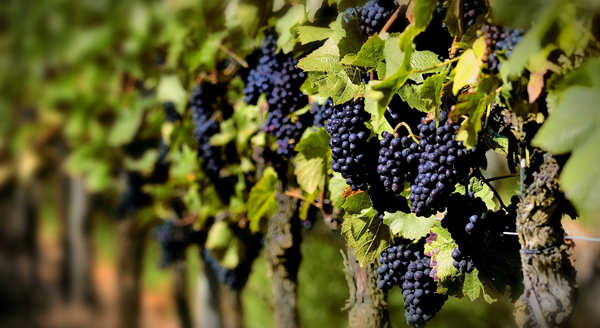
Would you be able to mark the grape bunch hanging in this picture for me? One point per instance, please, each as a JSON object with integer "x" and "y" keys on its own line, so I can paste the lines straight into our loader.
{"x": 204, "y": 101}
{"x": 500, "y": 42}
{"x": 373, "y": 15}
{"x": 276, "y": 76}
{"x": 407, "y": 266}
{"x": 350, "y": 143}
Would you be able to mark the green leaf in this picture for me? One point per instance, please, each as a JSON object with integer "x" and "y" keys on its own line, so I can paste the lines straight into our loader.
{"x": 533, "y": 40}
{"x": 423, "y": 12}
{"x": 573, "y": 126}
{"x": 371, "y": 53}
{"x": 218, "y": 236}
{"x": 480, "y": 189}
{"x": 312, "y": 6}
{"x": 224, "y": 245}
{"x": 580, "y": 178}
{"x": 518, "y": 14}
{"x": 381, "y": 69}
{"x": 312, "y": 161}
{"x": 353, "y": 38}
{"x": 171, "y": 89}
{"x": 262, "y": 201}
{"x": 294, "y": 17}
{"x": 367, "y": 235}
{"x": 440, "y": 245}
{"x": 473, "y": 287}
{"x": 408, "y": 225}
{"x": 357, "y": 203}
{"x": 410, "y": 94}
{"x": 253, "y": 14}
{"x": 431, "y": 92}
{"x": 328, "y": 74}
{"x": 421, "y": 60}
{"x": 393, "y": 55}
{"x": 397, "y": 71}
{"x": 474, "y": 106}
{"x": 377, "y": 111}
{"x": 451, "y": 19}
{"x": 128, "y": 123}
{"x": 308, "y": 34}
{"x": 144, "y": 164}
{"x": 573, "y": 121}
{"x": 337, "y": 185}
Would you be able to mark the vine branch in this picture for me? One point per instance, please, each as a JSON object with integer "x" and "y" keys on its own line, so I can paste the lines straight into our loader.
{"x": 233, "y": 55}
{"x": 480, "y": 175}
{"x": 437, "y": 66}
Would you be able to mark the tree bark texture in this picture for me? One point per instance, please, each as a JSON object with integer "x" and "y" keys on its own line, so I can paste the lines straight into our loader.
{"x": 367, "y": 303}
{"x": 181, "y": 294}
{"x": 131, "y": 255}
{"x": 549, "y": 277}
{"x": 79, "y": 244}
{"x": 231, "y": 307}
{"x": 21, "y": 293}
{"x": 282, "y": 251}
{"x": 208, "y": 299}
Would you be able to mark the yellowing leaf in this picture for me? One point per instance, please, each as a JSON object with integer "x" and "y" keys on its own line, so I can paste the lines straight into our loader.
{"x": 467, "y": 69}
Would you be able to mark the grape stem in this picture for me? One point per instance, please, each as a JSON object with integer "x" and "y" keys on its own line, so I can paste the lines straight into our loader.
{"x": 411, "y": 134}
{"x": 233, "y": 55}
{"x": 480, "y": 175}
{"x": 437, "y": 66}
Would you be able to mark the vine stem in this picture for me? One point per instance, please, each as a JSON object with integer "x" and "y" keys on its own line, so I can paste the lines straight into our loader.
{"x": 233, "y": 55}
{"x": 402, "y": 8}
{"x": 298, "y": 196}
{"x": 437, "y": 66}
{"x": 503, "y": 177}
{"x": 478, "y": 173}
{"x": 412, "y": 135}
{"x": 319, "y": 205}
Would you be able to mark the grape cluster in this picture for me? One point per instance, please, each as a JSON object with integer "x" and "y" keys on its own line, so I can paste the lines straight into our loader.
{"x": 373, "y": 15}
{"x": 421, "y": 302}
{"x": 394, "y": 163}
{"x": 171, "y": 113}
{"x": 205, "y": 99}
{"x": 500, "y": 43}
{"x": 462, "y": 214}
{"x": 173, "y": 240}
{"x": 442, "y": 162}
{"x": 433, "y": 164}
{"x": 461, "y": 262}
{"x": 474, "y": 240}
{"x": 258, "y": 79}
{"x": 236, "y": 278}
{"x": 277, "y": 76}
{"x": 471, "y": 9}
{"x": 287, "y": 130}
{"x": 408, "y": 267}
{"x": 470, "y": 12}
{"x": 321, "y": 113}
{"x": 132, "y": 198}
{"x": 349, "y": 143}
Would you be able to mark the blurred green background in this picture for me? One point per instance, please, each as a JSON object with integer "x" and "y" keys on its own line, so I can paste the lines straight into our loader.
{"x": 82, "y": 82}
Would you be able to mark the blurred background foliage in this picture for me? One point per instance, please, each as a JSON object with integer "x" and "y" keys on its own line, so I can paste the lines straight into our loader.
{"x": 82, "y": 90}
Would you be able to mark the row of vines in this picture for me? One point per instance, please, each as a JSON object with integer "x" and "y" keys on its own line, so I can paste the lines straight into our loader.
{"x": 232, "y": 125}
